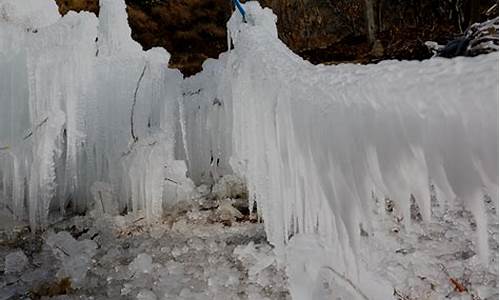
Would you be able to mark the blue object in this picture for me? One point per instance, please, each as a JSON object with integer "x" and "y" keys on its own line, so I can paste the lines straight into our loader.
{"x": 240, "y": 8}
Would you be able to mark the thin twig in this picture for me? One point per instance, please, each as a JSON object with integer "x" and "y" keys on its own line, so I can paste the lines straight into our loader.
{"x": 134, "y": 137}
{"x": 102, "y": 204}
{"x": 62, "y": 250}
{"x": 28, "y": 135}
{"x": 36, "y": 128}
{"x": 137, "y": 220}
{"x": 400, "y": 295}
{"x": 347, "y": 280}
{"x": 168, "y": 179}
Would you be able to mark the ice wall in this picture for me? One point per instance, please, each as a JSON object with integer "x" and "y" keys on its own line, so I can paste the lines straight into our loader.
{"x": 84, "y": 113}
{"x": 317, "y": 145}
{"x": 206, "y": 123}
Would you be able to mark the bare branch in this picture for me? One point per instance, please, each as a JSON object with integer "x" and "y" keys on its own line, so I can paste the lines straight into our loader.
{"x": 171, "y": 180}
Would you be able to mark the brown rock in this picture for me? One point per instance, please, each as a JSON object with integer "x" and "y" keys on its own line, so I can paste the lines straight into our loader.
{"x": 377, "y": 49}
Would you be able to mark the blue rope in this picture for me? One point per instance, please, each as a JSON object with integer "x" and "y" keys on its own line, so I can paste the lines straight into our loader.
{"x": 240, "y": 8}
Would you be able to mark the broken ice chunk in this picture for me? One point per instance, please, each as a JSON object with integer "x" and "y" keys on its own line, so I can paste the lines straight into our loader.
{"x": 230, "y": 186}
{"x": 75, "y": 256}
{"x": 196, "y": 243}
{"x": 178, "y": 186}
{"x": 227, "y": 212}
{"x": 146, "y": 295}
{"x": 256, "y": 258}
{"x": 143, "y": 263}
{"x": 15, "y": 262}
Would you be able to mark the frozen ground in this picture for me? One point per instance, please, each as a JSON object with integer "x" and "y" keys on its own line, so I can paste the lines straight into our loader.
{"x": 215, "y": 249}
{"x": 434, "y": 260}
{"x": 203, "y": 250}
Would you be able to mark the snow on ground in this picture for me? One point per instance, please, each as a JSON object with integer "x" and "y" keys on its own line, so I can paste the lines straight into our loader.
{"x": 212, "y": 248}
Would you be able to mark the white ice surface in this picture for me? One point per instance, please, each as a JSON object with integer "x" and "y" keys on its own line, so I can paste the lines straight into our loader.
{"x": 317, "y": 145}
{"x": 29, "y": 14}
{"x": 82, "y": 103}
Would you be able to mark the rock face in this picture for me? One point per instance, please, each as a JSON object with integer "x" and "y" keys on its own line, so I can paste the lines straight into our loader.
{"x": 322, "y": 31}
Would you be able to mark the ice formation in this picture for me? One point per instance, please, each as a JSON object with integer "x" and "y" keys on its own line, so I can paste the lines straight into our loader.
{"x": 83, "y": 104}
{"x": 317, "y": 145}
{"x": 90, "y": 121}
{"x": 206, "y": 123}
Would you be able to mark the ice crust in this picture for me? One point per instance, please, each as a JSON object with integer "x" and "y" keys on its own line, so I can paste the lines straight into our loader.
{"x": 89, "y": 121}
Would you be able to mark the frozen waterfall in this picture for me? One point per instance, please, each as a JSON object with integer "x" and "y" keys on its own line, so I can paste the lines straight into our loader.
{"x": 85, "y": 112}
{"x": 88, "y": 120}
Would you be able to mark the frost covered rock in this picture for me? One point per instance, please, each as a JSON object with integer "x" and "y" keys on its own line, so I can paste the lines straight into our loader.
{"x": 227, "y": 212}
{"x": 478, "y": 38}
{"x": 230, "y": 186}
{"x": 15, "y": 262}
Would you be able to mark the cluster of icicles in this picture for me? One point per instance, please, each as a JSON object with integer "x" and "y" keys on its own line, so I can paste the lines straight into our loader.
{"x": 87, "y": 118}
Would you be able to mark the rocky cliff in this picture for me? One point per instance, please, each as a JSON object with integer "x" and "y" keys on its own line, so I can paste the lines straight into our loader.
{"x": 322, "y": 31}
